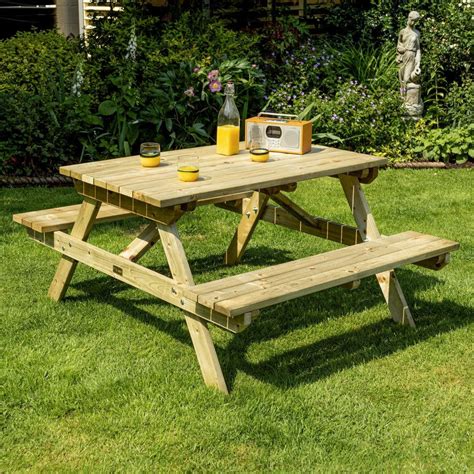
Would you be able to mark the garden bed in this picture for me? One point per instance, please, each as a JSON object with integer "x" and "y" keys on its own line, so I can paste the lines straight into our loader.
{"x": 141, "y": 79}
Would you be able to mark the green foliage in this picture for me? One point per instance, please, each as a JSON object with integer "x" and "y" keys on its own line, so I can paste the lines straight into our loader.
{"x": 194, "y": 37}
{"x": 372, "y": 66}
{"x": 30, "y": 61}
{"x": 44, "y": 115}
{"x": 450, "y": 145}
{"x": 363, "y": 120}
{"x": 459, "y": 104}
{"x": 322, "y": 66}
{"x": 140, "y": 79}
{"x": 162, "y": 93}
{"x": 285, "y": 35}
{"x": 182, "y": 110}
{"x": 447, "y": 36}
{"x": 67, "y": 101}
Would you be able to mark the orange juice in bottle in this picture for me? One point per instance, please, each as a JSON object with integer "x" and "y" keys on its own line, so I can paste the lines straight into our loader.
{"x": 228, "y": 124}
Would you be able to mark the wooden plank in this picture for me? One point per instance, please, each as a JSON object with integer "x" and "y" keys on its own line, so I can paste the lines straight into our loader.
{"x": 88, "y": 171}
{"x": 137, "y": 276}
{"x": 213, "y": 170}
{"x": 359, "y": 207}
{"x": 136, "y": 249}
{"x": 251, "y": 215}
{"x": 198, "y": 330}
{"x": 307, "y": 267}
{"x": 61, "y": 218}
{"x": 175, "y": 254}
{"x": 388, "y": 282}
{"x": 255, "y": 181}
{"x": 344, "y": 255}
{"x": 81, "y": 230}
{"x": 320, "y": 281}
{"x": 436, "y": 263}
{"x": 294, "y": 209}
{"x": 324, "y": 228}
{"x": 159, "y": 215}
{"x": 242, "y": 175}
{"x": 220, "y": 175}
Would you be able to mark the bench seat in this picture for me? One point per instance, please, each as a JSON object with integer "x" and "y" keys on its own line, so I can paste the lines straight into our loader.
{"x": 240, "y": 294}
{"x": 62, "y": 218}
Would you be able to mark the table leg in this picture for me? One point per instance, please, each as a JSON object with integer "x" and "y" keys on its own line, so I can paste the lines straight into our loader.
{"x": 388, "y": 281}
{"x": 198, "y": 330}
{"x": 81, "y": 230}
{"x": 139, "y": 246}
{"x": 251, "y": 215}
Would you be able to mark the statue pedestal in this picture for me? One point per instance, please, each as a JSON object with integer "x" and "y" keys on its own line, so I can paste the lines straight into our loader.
{"x": 413, "y": 102}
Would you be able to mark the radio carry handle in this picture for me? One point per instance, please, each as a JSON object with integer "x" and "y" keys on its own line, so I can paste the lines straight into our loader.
{"x": 276, "y": 115}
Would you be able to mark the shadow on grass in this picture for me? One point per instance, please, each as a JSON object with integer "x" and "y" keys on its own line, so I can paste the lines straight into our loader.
{"x": 105, "y": 289}
{"x": 307, "y": 363}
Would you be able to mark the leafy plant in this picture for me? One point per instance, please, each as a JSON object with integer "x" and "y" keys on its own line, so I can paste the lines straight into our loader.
{"x": 182, "y": 107}
{"x": 123, "y": 112}
{"x": 367, "y": 64}
{"x": 355, "y": 117}
{"x": 194, "y": 37}
{"x": 458, "y": 106}
{"x": 42, "y": 108}
{"x": 450, "y": 145}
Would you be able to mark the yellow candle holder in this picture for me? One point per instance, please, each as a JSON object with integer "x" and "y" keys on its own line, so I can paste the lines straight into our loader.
{"x": 150, "y": 154}
{"x": 188, "y": 173}
{"x": 259, "y": 155}
{"x": 150, "y": 161}
{"x": 188, "y": 168}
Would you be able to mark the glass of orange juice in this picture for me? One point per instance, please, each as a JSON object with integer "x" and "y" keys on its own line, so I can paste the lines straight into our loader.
{"x": 188, "y": 168}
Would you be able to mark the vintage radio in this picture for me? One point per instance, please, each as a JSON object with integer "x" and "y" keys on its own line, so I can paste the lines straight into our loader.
{"x": 279, "y": 132}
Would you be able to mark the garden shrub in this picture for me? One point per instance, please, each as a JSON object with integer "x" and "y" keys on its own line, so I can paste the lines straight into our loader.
{"x": 66, "y": 101}
{"x": 31, "y": 60}
{"x": 450, "y": 145}
{"x": 138, "y": 79}
{"x": 447, "y": 36}
{"x": 185, "y": 100}
{"x": 459, "y": 104}
{"x": 355, "y": 117}
{"x": 43, "y": 115}
{"x": 154, "y": 81}
{"x": 195, "y": 37}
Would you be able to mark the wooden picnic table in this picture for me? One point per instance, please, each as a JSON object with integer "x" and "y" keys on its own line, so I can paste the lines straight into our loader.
{"x": 119, "y": 188}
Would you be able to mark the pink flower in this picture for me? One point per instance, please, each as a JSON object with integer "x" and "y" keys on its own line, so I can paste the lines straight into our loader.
{"x": 189, "y": 91}
{"x": 215, "y": 86}
{"x": 254, "y": 66}
{"x": 213, "y": 75}
{"x": 196, "y": 69}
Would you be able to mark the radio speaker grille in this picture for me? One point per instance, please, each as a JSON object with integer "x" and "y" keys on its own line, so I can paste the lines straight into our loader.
{"x": 290, "y": 139}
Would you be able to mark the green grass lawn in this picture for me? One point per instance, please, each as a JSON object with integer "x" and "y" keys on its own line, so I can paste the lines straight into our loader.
{"x": 107, "y": 380}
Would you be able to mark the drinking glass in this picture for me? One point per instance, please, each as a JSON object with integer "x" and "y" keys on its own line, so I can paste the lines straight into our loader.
{"x": 150, "y": 154}
{"x": 188, "y": 168}
{"x": 258, "y": 150}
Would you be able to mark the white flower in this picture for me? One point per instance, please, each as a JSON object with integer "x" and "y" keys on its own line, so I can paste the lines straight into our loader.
{"x": 78, "y": 80}
{"x": 132, "y": 45}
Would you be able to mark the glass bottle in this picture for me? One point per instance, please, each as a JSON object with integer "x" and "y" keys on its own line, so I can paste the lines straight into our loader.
{"x": 228, "y": 124}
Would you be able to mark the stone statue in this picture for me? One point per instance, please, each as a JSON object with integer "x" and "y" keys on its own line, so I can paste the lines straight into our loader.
{"x": 408, "y": 59}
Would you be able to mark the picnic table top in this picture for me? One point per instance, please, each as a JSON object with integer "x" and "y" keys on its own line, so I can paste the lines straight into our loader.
{"x": 219, "y": 175}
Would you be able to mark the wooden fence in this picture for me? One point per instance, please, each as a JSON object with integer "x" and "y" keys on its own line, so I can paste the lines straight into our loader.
{"x": 246, "y": 11}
